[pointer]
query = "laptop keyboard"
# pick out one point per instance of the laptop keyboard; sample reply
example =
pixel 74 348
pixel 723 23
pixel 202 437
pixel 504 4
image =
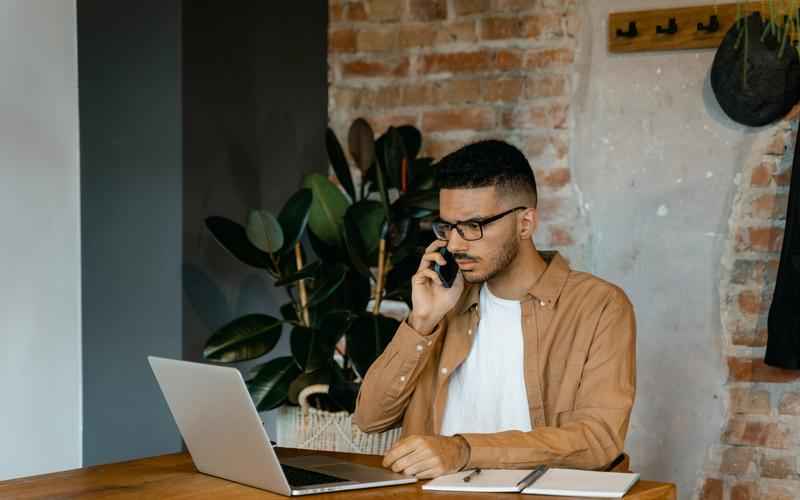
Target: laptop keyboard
pixel 303 477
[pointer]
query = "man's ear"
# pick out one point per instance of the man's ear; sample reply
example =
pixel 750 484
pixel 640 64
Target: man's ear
pixel 528 221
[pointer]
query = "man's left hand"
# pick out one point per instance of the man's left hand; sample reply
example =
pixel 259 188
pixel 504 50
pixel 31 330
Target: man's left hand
pixel 428 456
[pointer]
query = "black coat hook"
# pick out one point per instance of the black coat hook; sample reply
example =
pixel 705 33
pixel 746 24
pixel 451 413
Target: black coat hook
pixel 632 31
pixel 713 25
pixel 671 28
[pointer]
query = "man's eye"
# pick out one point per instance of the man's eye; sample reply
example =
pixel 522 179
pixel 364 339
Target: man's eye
pixel 472 225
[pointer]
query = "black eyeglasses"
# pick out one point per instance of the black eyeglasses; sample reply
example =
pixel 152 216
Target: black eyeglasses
pixel 469 230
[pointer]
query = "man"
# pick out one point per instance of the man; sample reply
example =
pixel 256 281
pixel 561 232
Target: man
pixel 522 361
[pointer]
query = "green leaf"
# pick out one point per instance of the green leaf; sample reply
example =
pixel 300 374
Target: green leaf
pixel 327 209
pixel 361 143
pixel 369 217
pixel 421 174
pixel 288 312
pixel 309 271
pixel 310 348
pixel 264 231
pixel 412 140
pixel 244 338
pixel 233 238
pixel 294 218
pixel 367 337
pixel 390 150
pixel 339 163
pixel 269 388
pixel 327 283
pixel 320 376
pixel 356 248
pixel 428 200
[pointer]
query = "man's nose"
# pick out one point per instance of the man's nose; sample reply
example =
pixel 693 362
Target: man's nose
pixel 456 244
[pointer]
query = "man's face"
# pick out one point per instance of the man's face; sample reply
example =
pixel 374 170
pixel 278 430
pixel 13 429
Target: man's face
pixel 482 259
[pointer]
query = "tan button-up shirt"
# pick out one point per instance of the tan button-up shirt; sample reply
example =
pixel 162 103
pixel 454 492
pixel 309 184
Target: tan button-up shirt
pixel 579 337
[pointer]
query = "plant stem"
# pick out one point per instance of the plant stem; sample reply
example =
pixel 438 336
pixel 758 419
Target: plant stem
pixel 376 305
pixel 301 285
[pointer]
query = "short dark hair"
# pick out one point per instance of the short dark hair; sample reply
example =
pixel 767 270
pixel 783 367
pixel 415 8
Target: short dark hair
pixel 487 163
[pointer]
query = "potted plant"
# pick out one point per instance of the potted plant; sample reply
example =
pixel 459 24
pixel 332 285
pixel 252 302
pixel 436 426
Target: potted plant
pixel 365 237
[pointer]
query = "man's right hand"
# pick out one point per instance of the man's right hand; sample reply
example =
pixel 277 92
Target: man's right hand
pixel 430 299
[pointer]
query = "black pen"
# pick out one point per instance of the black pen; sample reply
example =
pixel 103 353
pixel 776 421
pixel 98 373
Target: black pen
pixel 532 476
pixel 472 474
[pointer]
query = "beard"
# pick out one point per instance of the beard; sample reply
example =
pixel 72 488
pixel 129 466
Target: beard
pixel 497 264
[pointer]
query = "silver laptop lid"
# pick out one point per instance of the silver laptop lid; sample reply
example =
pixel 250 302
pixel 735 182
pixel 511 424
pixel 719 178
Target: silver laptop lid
pixel 219 423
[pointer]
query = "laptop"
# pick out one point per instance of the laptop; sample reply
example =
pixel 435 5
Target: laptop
pixel 226 438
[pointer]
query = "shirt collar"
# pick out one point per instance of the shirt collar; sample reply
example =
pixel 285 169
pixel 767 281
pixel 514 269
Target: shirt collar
pixel 546 289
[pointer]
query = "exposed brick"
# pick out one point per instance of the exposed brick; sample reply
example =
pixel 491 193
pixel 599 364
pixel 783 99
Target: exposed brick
pixel 546 86
pixel 376 40
pixel 496 28
pixel 427 10
pixel 755 370
pixel 459 32
pixel 540 145
pixel 777 467
pixel 770 205
pixel 457 91
pixel 383 121
pixel 507 60
pixel 554 178
pixel 388 97
pixel 370 69
pixel 515 5
pixel 736 460
pixel 356 11
pixel 458 119
pixel 783 178
pixel 384 10
pixel 753 337
pixel 748 272
pixel 790 404
pixel 560 236
pixel 335 12
pixel 342 40
pixel 750 401
pixel 455 62
pixel 415 36
pixel 548 58
pixel 744 432
pixel 418 95
pixel 749 302
pixel 506 90
pixel 712 490
pixel 438 148
pixel 552 116
pixel 777 146
pixel 767 239
pixel 743 491
pixel 762 174
pixel 470 7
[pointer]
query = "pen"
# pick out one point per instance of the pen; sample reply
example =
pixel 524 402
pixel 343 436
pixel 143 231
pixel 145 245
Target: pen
pixel 472 474
pixel 532 476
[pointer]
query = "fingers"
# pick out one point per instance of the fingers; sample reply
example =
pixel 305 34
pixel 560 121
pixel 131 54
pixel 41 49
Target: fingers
pixel 412 459
pixel 423 466
pixel 437 244
pixel 424 275
pixel 399 450
pixel 433 256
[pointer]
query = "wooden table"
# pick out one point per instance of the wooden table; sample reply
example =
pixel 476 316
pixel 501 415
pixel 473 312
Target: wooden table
pixel 174 476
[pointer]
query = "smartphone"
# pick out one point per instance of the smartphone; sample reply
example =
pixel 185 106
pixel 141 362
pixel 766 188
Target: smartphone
pixel 449 271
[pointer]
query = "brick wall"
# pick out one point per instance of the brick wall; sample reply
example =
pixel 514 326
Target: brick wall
pixel 756 456
pixel 463 70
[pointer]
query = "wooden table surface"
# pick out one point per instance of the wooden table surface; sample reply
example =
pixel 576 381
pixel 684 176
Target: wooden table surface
pixel 174 476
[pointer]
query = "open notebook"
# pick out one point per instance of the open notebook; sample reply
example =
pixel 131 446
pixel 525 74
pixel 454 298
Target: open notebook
pixel 560 482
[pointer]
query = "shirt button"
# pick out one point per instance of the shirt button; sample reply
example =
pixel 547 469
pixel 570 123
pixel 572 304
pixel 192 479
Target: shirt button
pixel 402 378
pixel 430 342
pixel 419 347
pixel 469 332
pixel 444 371
pixel 541 303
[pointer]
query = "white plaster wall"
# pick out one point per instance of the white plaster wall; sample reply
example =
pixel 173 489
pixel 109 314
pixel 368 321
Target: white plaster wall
pixel 40 362
pixel 656 162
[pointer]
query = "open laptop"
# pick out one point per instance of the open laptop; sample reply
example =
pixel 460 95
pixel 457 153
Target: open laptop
pixel 226 438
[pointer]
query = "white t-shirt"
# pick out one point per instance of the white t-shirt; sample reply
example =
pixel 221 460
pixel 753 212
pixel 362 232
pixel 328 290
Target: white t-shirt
pixel 487 392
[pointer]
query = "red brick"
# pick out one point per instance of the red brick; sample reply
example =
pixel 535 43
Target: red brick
pixel 356 11
pixel 778 146
pixel 765 239
pixel 388 97
pixel 552 116
pixel 516 5
pixel 384 10
pixel 458 119
pixel 459 32
pixel 506 90
pixel 507 60
pixel 712 490
pixel 736 460
pixel 380 123
pixel 560 237
pixel 335 12
pixel 457 91
pixel 783 178
pixel 438 148
pixel 748 272
pixel 427 10
pixel 546 86
pixel 743 491
pixel 770 205
pixel 754 337
pixel 777 467
pixel 761 175
pixel 370 69
pixel 750 401
pixel 539 145
pixel 555 178
pixel 376 40
pixel 470 7
pixel 755 370
pixel 744 432
pixel 548 58
pixel 749 303
pixel 790 404
pixel 418 95
pixel 496 28
pixel 416 35
pixel 455 62
pixel 342 40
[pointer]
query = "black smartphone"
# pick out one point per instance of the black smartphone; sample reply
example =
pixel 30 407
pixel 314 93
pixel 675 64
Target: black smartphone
pixel 448 272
